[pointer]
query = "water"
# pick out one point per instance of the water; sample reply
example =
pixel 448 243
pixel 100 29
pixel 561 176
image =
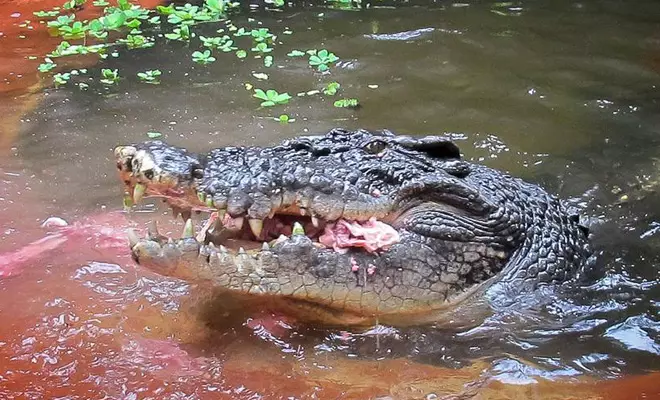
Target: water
pixel 561 93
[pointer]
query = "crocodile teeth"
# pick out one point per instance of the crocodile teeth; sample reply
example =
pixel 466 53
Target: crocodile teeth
pixel 297 229
pixel 186 214
pixel 315 221
pixel 238 222
pixel 188 230
pixel 133 237
pixel 152 229
pixel 175 212
pixel 138 192
pixel 265 247
pixel 128 201
pixel 223 249
pixel 256 225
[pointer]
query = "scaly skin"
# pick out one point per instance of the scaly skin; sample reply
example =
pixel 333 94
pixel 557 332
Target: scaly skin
pixel 461 226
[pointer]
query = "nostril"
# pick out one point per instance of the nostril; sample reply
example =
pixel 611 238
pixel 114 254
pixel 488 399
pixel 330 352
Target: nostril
pixel 197 173
pixel 149 174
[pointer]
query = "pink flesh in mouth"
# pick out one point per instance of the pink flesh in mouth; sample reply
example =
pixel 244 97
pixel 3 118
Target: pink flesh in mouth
pixel 371 235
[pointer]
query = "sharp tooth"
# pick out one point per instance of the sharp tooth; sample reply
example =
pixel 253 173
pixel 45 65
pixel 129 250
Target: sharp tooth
pixel 256 225
pixel 138 192
pixel 209 202
pixel 188 230
pixel 215 225
pixel 303 211
pixel 175 212
pixel 186 214
pixel 223 249
pixel 128 201
pixel 201 196
pixel 241 250
pixel 152 228
pixel 315 221
pixel 265 247
pixel 133 237
pixel 238 222
pixel 297 229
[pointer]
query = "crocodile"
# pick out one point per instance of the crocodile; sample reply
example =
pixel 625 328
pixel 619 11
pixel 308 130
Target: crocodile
pixel 353 227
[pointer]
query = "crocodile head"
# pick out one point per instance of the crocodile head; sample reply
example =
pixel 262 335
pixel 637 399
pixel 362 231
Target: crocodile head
pixel 350 227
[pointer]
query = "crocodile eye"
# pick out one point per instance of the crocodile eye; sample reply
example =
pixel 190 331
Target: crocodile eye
pixel 375 147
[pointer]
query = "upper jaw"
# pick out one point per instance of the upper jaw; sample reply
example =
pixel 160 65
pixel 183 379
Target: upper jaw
pixel 156 169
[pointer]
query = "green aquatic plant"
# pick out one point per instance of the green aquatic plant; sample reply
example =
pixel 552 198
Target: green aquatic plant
pixel 136 42
pixel 188 15
pixel 321 59
pixel 347 103
pixel 261 48
pixel 47 65
pixel 271 97
pixel 74 31
pixel 268 61
pixel 284 119
pixel 262 35
pixel 296 53
pixel 109 76
pixel 218 7
pixel 203 57
pixel 214 42
pixel 150 76
pixel 182 33
pixel 331 88
pixel 46 14
pixel 61 78
pixel 73 4
pixel 123 22
pixel 62 20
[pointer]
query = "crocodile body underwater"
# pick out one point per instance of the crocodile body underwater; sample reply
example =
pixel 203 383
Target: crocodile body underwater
pixel 353 227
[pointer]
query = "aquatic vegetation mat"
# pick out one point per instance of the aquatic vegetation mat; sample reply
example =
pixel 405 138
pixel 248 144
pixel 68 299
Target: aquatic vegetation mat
pixel 127 26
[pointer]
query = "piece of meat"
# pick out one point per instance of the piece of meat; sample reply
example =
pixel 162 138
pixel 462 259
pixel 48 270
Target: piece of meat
pixel 371 235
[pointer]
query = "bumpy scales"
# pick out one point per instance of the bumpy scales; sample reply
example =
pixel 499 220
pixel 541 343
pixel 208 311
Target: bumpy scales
pixel 353 227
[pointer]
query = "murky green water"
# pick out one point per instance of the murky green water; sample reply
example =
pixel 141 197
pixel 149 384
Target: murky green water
pixel 566 94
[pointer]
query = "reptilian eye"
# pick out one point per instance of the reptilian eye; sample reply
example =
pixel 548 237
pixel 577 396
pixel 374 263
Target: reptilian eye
pixel 375 147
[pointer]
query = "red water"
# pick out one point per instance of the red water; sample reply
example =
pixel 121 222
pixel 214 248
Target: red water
pixel 81 321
